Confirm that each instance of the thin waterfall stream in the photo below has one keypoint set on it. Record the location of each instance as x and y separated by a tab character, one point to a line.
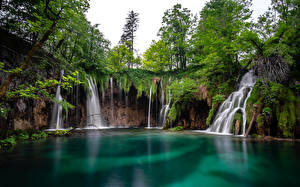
111	81
149	108
236	102
57	118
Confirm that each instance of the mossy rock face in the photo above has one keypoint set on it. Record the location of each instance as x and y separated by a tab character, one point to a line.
286	113
260	120
298	109
211	114
278	101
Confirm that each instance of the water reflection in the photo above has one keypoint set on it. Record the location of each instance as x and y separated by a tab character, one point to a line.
142	158
232	153
58	148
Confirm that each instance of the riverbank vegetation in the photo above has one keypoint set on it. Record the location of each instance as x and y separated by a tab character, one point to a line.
199	57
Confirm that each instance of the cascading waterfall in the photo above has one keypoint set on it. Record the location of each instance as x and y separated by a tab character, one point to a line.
94	115
112	99
149	108
164	107
234	103
56	118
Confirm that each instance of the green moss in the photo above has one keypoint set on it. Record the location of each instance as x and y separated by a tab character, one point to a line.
297	109
23	136
238	116
62	132
8	142
172	113
254	94
260	120
286	114
218	99
283	123
210	116
178	128
266	111
39	135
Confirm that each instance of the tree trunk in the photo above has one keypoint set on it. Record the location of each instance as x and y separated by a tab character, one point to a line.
27	61
254	115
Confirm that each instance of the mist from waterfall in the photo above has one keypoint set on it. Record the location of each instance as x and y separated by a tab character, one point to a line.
234	103
94	115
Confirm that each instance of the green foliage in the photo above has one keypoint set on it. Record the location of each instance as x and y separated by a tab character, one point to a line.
210	116
172	113
23	136
3	111
218	99
260	120
8	142
267	111
129	30
178	128
183	92
156	58
140	79
62	132
218	40
39	135
174	33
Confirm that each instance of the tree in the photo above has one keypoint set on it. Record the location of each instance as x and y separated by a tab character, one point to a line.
51	14
118	57
157	57
174	33
217	41
129	30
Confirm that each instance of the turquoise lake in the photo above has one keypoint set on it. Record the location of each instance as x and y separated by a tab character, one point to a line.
137	157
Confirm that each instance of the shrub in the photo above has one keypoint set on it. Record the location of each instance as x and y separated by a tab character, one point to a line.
39	135
218	99
62	133
23	136
178	128
267	111
8	142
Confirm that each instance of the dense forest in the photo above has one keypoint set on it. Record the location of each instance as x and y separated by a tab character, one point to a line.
197	59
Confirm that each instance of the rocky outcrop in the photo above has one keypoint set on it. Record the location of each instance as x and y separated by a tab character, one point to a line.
127	109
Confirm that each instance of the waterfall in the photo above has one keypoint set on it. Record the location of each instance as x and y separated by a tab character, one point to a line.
112	99
119	102
234	103
149	108
126	109
56	118
94	116
77	103
164	107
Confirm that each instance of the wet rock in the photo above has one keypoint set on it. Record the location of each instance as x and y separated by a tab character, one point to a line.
237	127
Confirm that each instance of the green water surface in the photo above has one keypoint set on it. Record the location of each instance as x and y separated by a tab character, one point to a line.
150	158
